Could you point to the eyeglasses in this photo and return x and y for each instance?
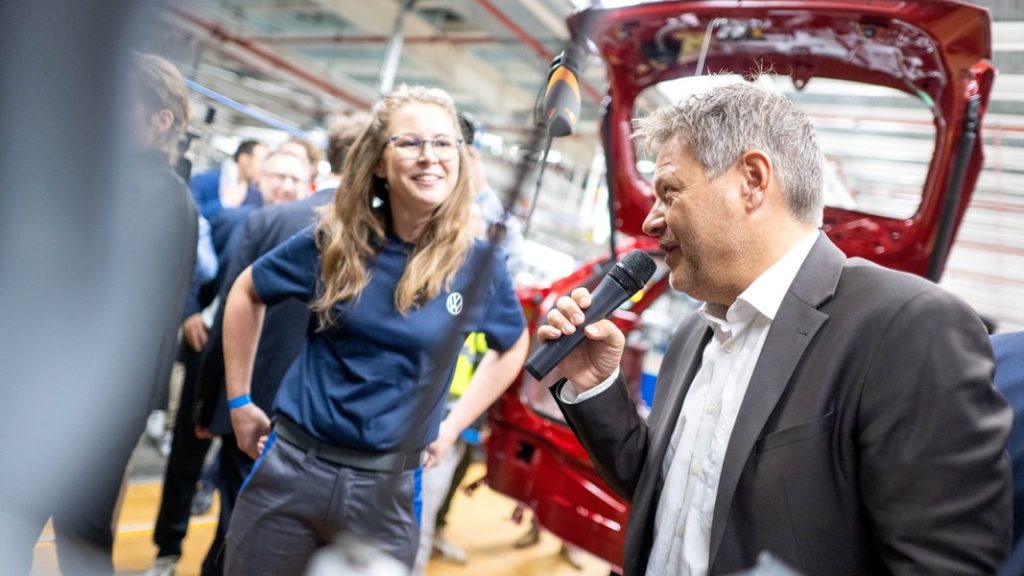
(410, 146)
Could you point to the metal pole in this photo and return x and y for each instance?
(394, 52)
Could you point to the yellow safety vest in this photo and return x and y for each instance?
(473, 350)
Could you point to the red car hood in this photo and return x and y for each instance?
(936, 50)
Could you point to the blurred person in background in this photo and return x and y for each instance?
(221, 188)
(157, 226)
(282, 337)
(390, 271)
(488, 207)
(305, 148)
(283, 179)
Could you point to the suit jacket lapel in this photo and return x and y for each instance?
(795, 325)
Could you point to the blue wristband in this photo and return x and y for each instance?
(239, 401)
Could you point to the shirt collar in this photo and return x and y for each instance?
(765, 293)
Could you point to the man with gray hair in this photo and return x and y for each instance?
(836, 414)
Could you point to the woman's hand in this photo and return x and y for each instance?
(446, 438)
(250, 424)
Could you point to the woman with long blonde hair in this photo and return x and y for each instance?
(389, 270)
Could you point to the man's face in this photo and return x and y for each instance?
(284, 178)
(699, 223)
(249, 164)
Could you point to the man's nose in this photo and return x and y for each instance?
(654, 223)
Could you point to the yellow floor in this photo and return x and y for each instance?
(481, 524)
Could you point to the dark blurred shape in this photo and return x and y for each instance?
(81, 333)
(768, 565)
(470, 129)
(1009, 380)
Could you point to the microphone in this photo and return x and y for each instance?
(562, 93)
(626, 278)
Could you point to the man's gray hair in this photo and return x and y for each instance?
(721, 124)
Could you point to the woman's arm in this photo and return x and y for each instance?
(494, 374)
(243, 321)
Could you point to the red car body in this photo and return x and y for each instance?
(936, 50)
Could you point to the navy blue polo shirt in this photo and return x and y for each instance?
(373, 381)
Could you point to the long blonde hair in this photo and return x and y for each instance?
(354, 227)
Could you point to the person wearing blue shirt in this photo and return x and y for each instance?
(1009, 380)
(211, 198)
(396, 281)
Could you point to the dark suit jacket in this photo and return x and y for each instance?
(870, 439)
(284, 326)
(164, 228)
(225, 232)
(1009, 351)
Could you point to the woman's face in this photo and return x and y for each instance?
(421, 160)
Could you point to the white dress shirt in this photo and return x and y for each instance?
(692, 465)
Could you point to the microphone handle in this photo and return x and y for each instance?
(608, 296)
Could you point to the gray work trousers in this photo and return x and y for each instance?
(294, 503)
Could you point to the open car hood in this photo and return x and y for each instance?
(936, 50)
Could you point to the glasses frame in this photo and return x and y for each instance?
(421, 149)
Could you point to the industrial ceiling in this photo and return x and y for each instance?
(294, 63)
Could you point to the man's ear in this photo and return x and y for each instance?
(161, 121)
(757, 171)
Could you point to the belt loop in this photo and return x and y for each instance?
(313, 452)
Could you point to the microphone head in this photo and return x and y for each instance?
(633, 271)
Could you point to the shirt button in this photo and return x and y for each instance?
(695, 469)
(680, 531)
(712, 409)
(727, 347)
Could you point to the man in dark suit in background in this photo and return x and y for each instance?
(834, 413)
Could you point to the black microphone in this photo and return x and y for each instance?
(626, 278)
(562, 94)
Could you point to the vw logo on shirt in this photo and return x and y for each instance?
(454, 303)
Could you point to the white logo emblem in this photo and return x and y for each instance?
(454, 303)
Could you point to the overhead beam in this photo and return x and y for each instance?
(236, 46)
(453, 39)
(463, 71)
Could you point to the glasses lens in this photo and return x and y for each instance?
(445, 147)
(410, 147)
(407, 146)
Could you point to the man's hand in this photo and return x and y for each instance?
(597, 357)
(195, 332)
(250, 424)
